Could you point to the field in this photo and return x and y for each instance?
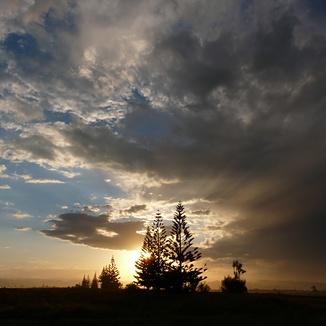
(70, 306)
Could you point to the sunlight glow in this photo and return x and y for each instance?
(147, 255)
(134, 255)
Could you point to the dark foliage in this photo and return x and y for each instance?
(86, 283)
(234, 284)
(94, 284)
(203, 287)
(183, 254)
(153, 261)
(110, 276)
(132, 287)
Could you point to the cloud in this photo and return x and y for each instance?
(201, 212)
(30, 179)
(2, 168)
(96, 231)
(44, 181)
(20, 215)
(220, 104)
(135, 209)
(23, 228)
(5, 186)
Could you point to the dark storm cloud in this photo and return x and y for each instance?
(99, 145)
(37, 145)
(96, 231)
(191, 68)
(135, 209)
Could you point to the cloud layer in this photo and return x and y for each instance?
(219, 104)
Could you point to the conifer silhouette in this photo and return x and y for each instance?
(183, 254)
(94, 284)
(110, 276)
(151, 265)
(86, 283)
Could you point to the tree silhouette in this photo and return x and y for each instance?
(145, 263)
(152, 263)
(110, 276)
(94, 284)
(234, 284)
(86, 283)
(184, 275)
(237, 269)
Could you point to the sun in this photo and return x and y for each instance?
(134, 255)
(147, 255)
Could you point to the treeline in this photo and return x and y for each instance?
(166, 262)
(109, 279)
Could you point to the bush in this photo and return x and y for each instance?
(233, 285)
(203, 287)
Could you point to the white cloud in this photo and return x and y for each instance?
(41, 181)
(2, 168)
(20, 215)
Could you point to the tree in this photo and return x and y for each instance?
(94, 284)
(159, 251)
(182, 254)
(203, 287)
(152, 263)
(145, 263)
(110, 276)
(237, 269)
(234, 284)
(86, 282)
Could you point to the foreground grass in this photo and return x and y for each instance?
(86, 307)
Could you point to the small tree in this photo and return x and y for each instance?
(234, 284)
(203, 287)
(184, 275)
(237, 269)
(94, 284)
(86, 283)
(110, 276)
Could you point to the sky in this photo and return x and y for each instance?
(112, 110)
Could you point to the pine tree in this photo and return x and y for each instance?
(184, 275)
(159, 247)
(145, 263)
(86, 282)
(110, 276)
(152, 263)
(94, 284)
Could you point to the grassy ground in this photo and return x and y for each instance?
(87, 307)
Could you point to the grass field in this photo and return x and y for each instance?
(70, 306)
